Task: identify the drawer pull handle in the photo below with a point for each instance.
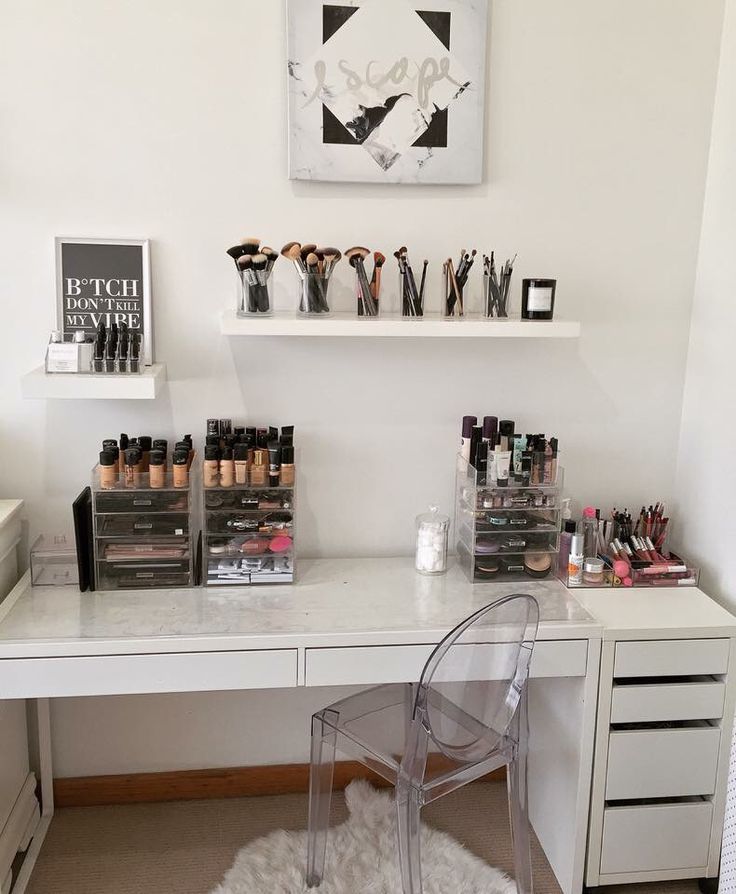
(143, 526)
(144, 574)
(142, 502)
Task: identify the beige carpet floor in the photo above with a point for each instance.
(185, 847)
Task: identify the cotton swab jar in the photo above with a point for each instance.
(432, 534)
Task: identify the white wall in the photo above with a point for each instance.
(166, 120)
(706, 475)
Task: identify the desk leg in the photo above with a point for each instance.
(39, 735)
(562, 715)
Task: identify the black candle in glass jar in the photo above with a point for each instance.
(538, 299)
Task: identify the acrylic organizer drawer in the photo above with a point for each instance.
(671, 658)
(233, 523)
(699, 698)
(245, 498)
(662, 762)
(514, 542)
(142, 501)
(266, 569)
(137, 549)
(509, 567)
(151, 525)
(143, 575)
(656, 837)
(248, 545)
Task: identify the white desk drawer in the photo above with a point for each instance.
(134, 674)
(662, 763)
(671, 658)
(667, 701)
(371, 665)
(656, 837)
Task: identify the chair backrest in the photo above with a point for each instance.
(472, 682)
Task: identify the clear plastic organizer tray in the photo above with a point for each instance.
(145, 537)
(248, 535)
(511, 531)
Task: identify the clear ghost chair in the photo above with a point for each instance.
(466, 717)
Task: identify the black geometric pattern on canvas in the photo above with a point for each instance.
(438, 23)
(333, 18)
(334, 131)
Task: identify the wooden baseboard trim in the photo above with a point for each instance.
(192, 785)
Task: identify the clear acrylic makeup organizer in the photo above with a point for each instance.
(245, 533)
(145, 537)
(507, 533)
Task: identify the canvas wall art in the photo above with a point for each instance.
(387, 91)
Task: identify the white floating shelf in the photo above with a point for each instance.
(394, 326)
(41, 385)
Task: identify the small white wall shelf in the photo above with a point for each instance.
(41, 385)
(394, 326)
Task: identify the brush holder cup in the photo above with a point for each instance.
(366, 301)
(254, 299)
(412, 301)
(313, 294)
(452, 294)
(495, 301)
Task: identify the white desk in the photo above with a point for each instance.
(346, 621)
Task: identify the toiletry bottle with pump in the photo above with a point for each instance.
(568, 530)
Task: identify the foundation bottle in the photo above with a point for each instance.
(211, 466)
(157, 469)
(132, 468)
(145, 443)
(181, 468)
(288, 472)
(108, 470)
(259, 469)
(227, 468)
(241, 463)
(123, 446)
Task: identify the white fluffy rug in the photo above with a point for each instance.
(361, 857)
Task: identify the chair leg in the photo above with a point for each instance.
(408, 824)
(519, 804)
(321, 772)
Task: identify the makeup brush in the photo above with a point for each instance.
(367, 305)
(379, 260)
(292, 251)
(411, 304)
(331, 256)
(250, 245)
(271, 257)
(456, 294)
(308, 249)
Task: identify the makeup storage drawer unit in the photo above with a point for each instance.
(507, 533)
(248, 535)
(145, 537)
(665, 715)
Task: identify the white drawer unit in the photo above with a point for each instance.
(699, 699)
(656, 837)
(661, 754)
(662, 763)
